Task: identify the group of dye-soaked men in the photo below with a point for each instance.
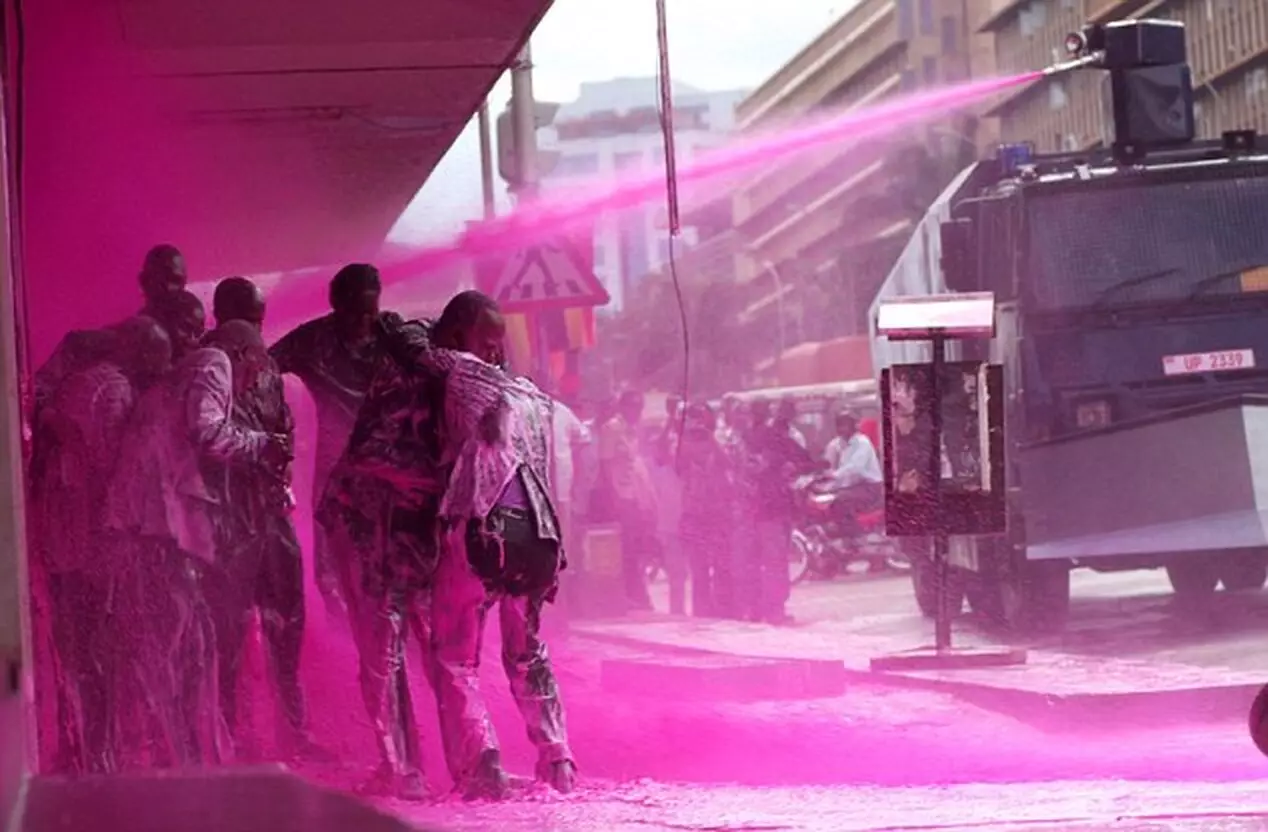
(161, 525)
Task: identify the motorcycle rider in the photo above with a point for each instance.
(854, 471)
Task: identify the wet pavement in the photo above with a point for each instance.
(659, 756)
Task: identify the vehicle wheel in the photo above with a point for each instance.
(1244, 572)
(1023, 597)
(801, 553)
(925, 585)
(1193, 577)
(1035, 597)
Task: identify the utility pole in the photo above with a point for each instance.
(486, 162)
(524, 129)
(524, 124)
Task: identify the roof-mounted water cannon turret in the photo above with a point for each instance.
(1150, 83)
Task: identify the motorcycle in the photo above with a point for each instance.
(824, 546)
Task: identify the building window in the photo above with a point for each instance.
(905, 23)
(926, 17)
(577, 164)
(950, 36)
(929, 71)
(628, 161)
(1057, 96)
(1032, 17)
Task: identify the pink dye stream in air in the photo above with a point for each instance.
(561, 212)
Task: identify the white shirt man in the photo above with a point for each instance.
(851, 457)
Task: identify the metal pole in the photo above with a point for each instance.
(486, 162)
(524, 123)
(16, 650)
(942, 567)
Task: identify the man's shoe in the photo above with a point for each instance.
(489, 780)
(412, 786)
(560, 775)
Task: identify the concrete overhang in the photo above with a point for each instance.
(257, 136)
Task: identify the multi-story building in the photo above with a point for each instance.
(614, 127)
(820, 231)
(1228, 51)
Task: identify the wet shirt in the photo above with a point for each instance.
(83, 424)
(253, 494)
(159, 490)
(774, 461)
(521, 448)
(337, 374)
(706, 476)
(387, 484)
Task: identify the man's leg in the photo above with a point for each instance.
(460, 604)
(636, 546)
(774, 543)
(535, 689)
(228, 591)
(280, 599)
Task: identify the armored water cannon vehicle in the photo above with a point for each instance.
(1132, 292)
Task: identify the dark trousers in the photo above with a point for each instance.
(706, 544)
(264, 573)
(79, 602)
(172, 676)
(638, 544)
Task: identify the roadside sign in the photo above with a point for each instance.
(547, 276)
(1219, 361)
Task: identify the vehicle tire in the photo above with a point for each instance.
(1244, 572)
(1194, 576)
(801, 553)
(925, 586)
(1035, 598)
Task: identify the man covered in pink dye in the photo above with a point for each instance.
(172, 523)
(336, 356)
(502, 549)
(80, 431)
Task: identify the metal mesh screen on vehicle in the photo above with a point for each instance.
(1153, 242)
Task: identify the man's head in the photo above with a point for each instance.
(183, 316)
(701, 417)
(761, 412)
(785, 412)
(238, 299)
(242, 342)
(162, 273)
(630, 406)
(354, 297)
(847, 424)
(143, 349)
(472, 322)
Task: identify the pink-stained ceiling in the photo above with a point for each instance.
(257, 135)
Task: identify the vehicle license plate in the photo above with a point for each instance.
(1208, 362)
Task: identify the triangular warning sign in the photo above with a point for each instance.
(547, 276)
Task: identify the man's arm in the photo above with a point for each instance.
(208, 407)
(292, 351)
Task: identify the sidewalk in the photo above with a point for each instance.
(657, 807)
(1053, 685)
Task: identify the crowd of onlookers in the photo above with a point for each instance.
(703, 496)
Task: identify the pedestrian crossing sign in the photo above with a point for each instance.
(547, 276)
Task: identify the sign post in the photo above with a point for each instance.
(944, 471)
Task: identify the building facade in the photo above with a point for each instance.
(614, 128)
(821, 230)
(1228, 51)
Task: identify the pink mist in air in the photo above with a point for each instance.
(563, 211)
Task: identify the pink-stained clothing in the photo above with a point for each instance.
(158, 491)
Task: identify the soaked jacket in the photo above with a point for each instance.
(384, 492)
(158, 490)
